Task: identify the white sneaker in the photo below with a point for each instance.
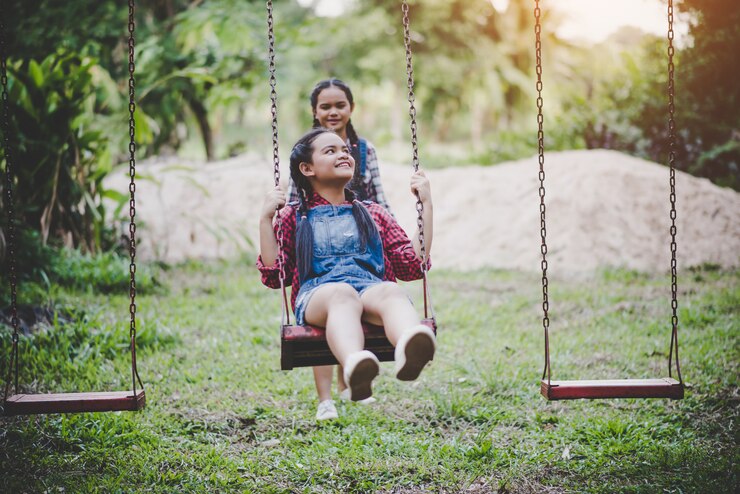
(345, 395)
(415, 348)
(359, 371)
(326, 411)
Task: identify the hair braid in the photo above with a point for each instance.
(357, 184)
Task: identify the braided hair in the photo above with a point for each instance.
(301, 153)
(358, 183)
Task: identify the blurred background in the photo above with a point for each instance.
(202, 88)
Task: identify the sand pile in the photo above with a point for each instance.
(604, 208)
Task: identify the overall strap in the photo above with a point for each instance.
(363, 156)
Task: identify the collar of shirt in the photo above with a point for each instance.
(316, 200)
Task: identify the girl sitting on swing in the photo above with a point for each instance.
(342, 257)
(332, 107)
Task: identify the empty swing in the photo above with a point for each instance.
(666, 387)
(306, 346)
(26, 404)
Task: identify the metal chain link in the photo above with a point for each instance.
(132, 190)
(541, 151)
(13, 367)
(275, 154)
(415, 146)
(412, 113)
(672, 165)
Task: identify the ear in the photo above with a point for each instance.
(306, 169)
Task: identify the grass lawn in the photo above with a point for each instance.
(222, 417)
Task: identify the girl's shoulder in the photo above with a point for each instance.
(289, 210)
(377, 211)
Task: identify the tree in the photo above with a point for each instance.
(707, 76)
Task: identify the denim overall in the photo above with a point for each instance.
(338, 256)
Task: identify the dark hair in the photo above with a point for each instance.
(357, 184)
(302, 152)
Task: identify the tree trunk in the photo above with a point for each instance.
(201, 115)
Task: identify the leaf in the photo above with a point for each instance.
(37, 75)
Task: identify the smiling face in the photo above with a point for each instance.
(333, 110)
(331, 161)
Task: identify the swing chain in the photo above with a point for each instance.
(541, 157)
(132, 190)
(13, 370)
(275, 154)
(672, 165)
(414, 139)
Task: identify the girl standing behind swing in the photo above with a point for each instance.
(341, 258)
(332, 105)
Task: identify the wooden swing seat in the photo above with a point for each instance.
(612, 388)
(29, 404)
(306, 346)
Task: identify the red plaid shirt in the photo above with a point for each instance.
(398, 253)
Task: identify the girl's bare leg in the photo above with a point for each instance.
(341, 385)
(337, 307)
(322, 376)
(386, 304)
(415, 344)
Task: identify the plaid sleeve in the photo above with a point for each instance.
(372, 178)
(293, 191)
(398, 249)
(271, 274)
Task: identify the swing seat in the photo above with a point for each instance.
(306, 346)
(29, 404)
(612, 388)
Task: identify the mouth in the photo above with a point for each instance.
(333, 122)
(343, 164)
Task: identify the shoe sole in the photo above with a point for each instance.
(419, 350)
(361, 381)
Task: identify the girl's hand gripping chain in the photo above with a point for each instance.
(420, 186)
(274, 200)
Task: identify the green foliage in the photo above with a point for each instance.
(41, 268)
(59, 158)
(618, 99)
(197, 61)
(709, 113)
(80, 349)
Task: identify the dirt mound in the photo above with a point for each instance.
(604, 209)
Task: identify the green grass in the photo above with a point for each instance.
(222, 417)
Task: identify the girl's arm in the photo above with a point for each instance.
(420, 185)
(269, 248)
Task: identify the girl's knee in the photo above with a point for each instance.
(343, 293)
(389, 290)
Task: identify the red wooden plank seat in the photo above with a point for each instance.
(612, 388)
(27, 404)
(306, 346)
